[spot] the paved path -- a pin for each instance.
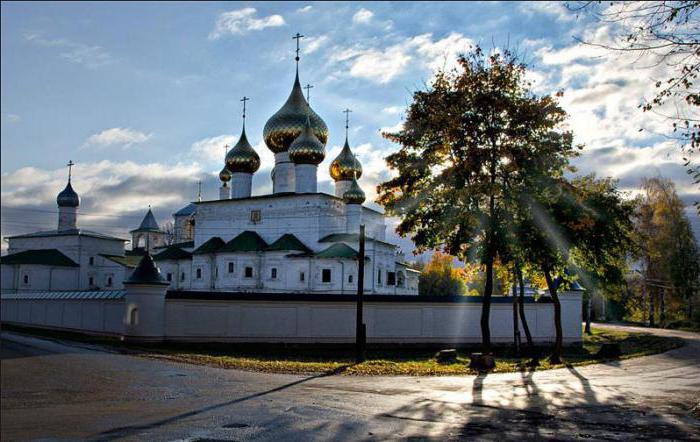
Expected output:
(61, 390)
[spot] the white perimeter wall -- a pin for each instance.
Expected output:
(303, 321)
(94, 316)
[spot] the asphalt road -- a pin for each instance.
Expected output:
(66, 391)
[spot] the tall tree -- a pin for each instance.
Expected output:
(467, 141)
(669, 251)
(583, 224)
(440, 278)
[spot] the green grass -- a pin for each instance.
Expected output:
(395, 361)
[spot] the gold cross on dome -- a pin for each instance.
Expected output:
(308, 87)
(347, 121)
(70, 166)
(297, 37)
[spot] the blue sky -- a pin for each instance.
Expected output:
(142, 96)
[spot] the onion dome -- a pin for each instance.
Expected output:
(242, 158)
(288, 123)
(307, 149)
(68, 197)
(345, 166)
(225, 175)
(355, 194)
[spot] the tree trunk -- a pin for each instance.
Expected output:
(521, 307)
(486, 309)
(662, 308)
(651, 307)
(645, 301)
(516, 327)
(589, 309)
(556, 354)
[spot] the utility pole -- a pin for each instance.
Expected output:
(360, 328)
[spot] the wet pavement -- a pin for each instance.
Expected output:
(59, 390)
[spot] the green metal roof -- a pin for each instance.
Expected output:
(47, 257)
(288, 242)
(211, 245)
(337, 251)
(247, 241)
(69, 232)
(130, 261)
(349, 237)
(172, 252)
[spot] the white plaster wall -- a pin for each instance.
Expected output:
(395, 322)
(300, 321)
(88, 315)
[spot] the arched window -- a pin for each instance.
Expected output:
(25, 279)
(134, 316)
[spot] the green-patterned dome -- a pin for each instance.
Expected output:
(307, 149)
(287, 124)
(242, 158)
(355, 194)
(345, 166)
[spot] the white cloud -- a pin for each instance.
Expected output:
(393, 110)
(306, 8)
(312, 44)
(242, 21)
(116, 136)
(382, 65)
(212, 148)
(12, 118)
(90, 56)
(363, 16)
(556, 9)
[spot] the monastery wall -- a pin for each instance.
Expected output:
(291, 318)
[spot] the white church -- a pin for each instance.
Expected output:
(294, 240)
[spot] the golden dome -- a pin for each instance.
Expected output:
(287, 124)
(345, 166)
(225, 175)
(242, 158)
(307, 149)
(355, 194)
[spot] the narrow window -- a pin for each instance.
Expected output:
(199, 273)
(230, 267)
(169, 277)
(255, 216)
(390, 278)
(326, 275)
(379, 276)
(92, 260)
(400, 279)
(273, 273)
(91, 281)
(350, 279)
(248, 272)
(26, 279)
(301, 276)
(109, 281)
(134, 316)
(182, 276)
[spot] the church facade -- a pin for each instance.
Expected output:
(294, 240)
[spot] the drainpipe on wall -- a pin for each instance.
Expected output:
(342, 276)
(50, 276)
(260, 265)
(309, 276)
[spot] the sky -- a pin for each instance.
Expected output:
(143, 96)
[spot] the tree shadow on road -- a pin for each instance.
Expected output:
(133, 430)
(545, 410)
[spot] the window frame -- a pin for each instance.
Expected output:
(249, 272)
